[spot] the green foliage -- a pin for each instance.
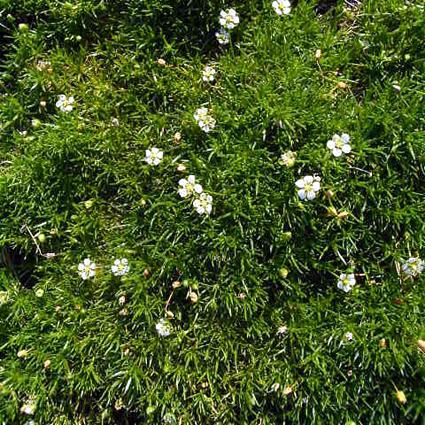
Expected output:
(262, 260)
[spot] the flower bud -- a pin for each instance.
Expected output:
(421, 345)
(341, 85)
(42, 237)
(36, 123)
(177, 137)
(329, 194)
(23, 27)
(43, 103)
(169, 314)
(181, 167)
(401, 397)
(39, 293)
(161, 62)
(383, 343)
(88, 204)
(176, 284)
(318, 54)
(47, 364)
(146, 273)
(193, 296)
(283, 272)
(286, 236)
(22, 354)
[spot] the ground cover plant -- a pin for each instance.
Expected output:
(212, 212)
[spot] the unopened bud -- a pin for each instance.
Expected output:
(43, 103)
(169, 314)
(146, 273)
(396, 88)
(401, 397)
(23, 27)
(383, 343)
(47, 364)
(343, 214)
(318, 54)
(181, 167)
(283, 272)
(341, 85)
(22, 354)
(421, 345)
(329, 194)
(193, 297)
(177, 137)
(176, 284)
(161, 62)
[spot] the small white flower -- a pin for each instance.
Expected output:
(339, 144)
(282, 330)
(288, 158)
(229, 19)
(120, 267)
(413, 267)
(154, 156)
(223, 37)
(87, 269)
(308, 186)
(346, 282)
(208, 74)
(163, 328)
(282, 7)
(28, 408)
(203, 204)
(189, 187)
(348, 336)
(65, 104)
(205, 121)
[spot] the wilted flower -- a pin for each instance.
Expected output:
(39, 292)
(413, 267)
(87, 269)
(208, 74)
(282, 7)
(346, 282)
(339, 144)
(204, 119)
(348, 336)
(223, 37)
(229, 19)
(154, 156)
(169, 418)
(163, 327)
(65, 104)
(288, 158)
(4, 297)
(189, 187)
(308, 186)
(203, 204)
(120, 267)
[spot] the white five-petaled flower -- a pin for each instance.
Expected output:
(229, 19)
(205, 121)
(282, 7)
(203, 204)
(65, 104)
(413, 267)
(120, 267)
(163, 327)
(154, 156)
(308, 186)
(223, 37)
(346, 282)
(208, 74)
(339, 144)
(87, 269)
(189, 187)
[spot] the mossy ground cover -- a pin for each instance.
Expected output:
(238, 314)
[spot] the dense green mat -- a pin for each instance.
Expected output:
(236, 315)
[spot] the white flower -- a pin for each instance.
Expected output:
(120, 267)
(154, 156)
(203, 204)
(65, 104)
(348, 336)
(163, 328)
(282, 330)
(346, 282)
(208, 74)
(282, 7)
(223, 37)
(288, 158)
(229, 19)
(28, 408)
(339, 144)
(189, 187)
(308, 186)
(87, 269)
(205, 121)
(413, 267)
